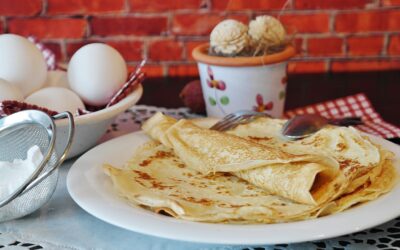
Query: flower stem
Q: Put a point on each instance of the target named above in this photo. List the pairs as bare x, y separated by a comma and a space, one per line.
218, 103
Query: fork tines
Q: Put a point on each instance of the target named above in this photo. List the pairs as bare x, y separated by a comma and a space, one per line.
234, 119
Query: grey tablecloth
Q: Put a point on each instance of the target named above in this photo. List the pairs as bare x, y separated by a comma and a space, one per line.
62, 224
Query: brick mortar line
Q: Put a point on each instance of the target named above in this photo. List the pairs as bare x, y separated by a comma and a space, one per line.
122, 38
109, 39
165, 70
367, 57
294, 60
88, 28
205, 37
193, 39
192, 11
171, 63
357, 59
3, 20
317, 58
248, 13
113, 15
305, 46
44, 8
367, 35
63, 48
120, 13
134, 38
300, 59
357, 33
207, 3
323, 35
291, 5
126, 11
345, 47
145, 48
127, 6
373, 4
332, 19
387, 7
199, 37
169, 24
309, 11
185, 52
327, 65
385, 47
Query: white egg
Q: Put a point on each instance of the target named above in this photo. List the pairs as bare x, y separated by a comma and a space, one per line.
9, 92
96, 72
57, 78
22, 63
57, 99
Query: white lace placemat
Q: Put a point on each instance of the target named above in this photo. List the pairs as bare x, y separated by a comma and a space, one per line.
61, 224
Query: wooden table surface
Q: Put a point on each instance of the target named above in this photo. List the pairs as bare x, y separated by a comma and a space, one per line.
382, 88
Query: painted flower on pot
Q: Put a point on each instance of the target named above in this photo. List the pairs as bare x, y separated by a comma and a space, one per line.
284, 80
261, 106
282, 93
212, 83
217, 85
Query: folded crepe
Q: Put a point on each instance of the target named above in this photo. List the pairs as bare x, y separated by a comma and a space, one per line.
382, 179
201, 175
157, 179
303, 178
356, 154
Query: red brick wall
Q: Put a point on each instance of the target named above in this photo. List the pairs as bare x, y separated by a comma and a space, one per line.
331, 35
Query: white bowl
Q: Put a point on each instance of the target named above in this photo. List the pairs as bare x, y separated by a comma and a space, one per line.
91, 127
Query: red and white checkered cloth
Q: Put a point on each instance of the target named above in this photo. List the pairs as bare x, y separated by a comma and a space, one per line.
355, 105
48, 55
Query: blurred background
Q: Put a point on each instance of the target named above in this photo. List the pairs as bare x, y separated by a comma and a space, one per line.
334, 37
331, 35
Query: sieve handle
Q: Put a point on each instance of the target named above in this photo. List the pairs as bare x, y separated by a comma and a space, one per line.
67, 147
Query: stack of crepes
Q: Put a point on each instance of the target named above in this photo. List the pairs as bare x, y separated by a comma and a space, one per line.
250, 174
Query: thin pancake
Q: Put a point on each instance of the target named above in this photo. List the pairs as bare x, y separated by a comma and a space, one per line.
155, 178
306, 178
159, 180
382, 183
357, 155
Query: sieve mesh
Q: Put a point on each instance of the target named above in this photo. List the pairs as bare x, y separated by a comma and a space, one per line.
18, 133
14, 144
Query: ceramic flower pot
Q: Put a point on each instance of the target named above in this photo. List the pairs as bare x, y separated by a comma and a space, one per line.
243, 83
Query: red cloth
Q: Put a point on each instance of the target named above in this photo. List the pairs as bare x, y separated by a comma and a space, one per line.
48, 55
355, 105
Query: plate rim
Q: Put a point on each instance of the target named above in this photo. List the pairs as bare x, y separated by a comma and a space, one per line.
361, 225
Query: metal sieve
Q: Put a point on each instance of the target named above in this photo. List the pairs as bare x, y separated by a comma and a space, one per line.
18, 133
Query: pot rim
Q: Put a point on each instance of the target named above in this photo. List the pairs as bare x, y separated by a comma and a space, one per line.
200, 54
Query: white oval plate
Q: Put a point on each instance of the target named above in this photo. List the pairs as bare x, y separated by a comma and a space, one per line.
92, 190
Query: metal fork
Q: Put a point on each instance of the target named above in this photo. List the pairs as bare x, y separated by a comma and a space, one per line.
234, 119
245, 116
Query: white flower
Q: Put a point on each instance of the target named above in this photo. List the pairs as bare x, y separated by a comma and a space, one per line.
267, 31
229, 37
